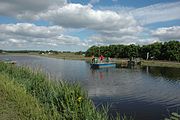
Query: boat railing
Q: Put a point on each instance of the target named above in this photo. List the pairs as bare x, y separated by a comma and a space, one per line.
106, 60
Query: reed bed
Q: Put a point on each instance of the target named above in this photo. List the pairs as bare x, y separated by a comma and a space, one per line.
17, 104
59, 100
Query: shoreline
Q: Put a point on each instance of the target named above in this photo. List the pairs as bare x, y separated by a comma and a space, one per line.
71, 56
159, 63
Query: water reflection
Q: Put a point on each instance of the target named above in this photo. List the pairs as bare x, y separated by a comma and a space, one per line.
168, 73
130, 91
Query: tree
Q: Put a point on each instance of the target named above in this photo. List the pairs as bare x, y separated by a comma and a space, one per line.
159, 51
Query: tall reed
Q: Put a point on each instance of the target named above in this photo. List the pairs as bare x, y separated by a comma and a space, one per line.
61, 100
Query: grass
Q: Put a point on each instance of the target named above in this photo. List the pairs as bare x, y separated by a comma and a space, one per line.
36, 97
69, 56
160, 63
16, 104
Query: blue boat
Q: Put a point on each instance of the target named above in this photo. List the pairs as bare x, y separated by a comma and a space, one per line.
102, 65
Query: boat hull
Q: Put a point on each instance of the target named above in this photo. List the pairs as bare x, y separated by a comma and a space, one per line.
103, 65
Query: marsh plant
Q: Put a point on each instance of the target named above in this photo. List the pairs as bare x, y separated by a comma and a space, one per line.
59, 99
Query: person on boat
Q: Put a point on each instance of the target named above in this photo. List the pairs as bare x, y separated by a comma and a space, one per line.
101, 58
93, 59
107, 59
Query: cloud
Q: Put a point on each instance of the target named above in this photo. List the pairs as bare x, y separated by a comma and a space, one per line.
103, 22
79, 16
125, 39
23, 35
167, 33
15, 7
30, 30
157, 13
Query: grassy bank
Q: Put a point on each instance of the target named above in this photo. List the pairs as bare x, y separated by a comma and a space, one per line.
72, 56
68, 56
37, 97
16, 104
160, 63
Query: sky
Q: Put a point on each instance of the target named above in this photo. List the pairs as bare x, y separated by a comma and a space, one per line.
76, 25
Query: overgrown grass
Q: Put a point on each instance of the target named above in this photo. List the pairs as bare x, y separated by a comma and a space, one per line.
16, 104
160, 63
58, 100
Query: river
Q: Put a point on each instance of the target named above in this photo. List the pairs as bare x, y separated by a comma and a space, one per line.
146, 93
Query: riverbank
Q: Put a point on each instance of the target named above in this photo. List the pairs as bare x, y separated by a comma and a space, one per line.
68, 56
158, 63
30, 95
73, 56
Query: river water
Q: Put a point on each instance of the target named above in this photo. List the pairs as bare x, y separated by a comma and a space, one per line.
147, 93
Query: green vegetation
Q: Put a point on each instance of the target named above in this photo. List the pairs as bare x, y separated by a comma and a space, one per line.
69, 56
158, 51
16, 104
36, 97
158, 63
19, 51
41, 52
173, 116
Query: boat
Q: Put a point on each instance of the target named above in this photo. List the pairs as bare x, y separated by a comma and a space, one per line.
103, 65
102, 62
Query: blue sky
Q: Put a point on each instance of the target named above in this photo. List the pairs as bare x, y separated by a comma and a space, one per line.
125, 3
75, 25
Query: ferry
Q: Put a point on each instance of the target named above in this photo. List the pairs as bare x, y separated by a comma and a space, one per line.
103, 65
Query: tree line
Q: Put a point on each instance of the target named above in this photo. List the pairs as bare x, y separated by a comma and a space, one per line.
41, 51
157, 51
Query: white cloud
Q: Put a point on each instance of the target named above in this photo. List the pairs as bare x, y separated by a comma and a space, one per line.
31, 30
125, 39
79, 16
167, 33
15, 7
157, 13
24, 35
